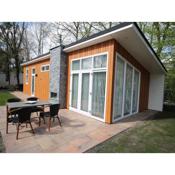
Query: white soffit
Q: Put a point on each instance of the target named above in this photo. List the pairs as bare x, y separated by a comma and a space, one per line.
36, 60
132, 41
137, 47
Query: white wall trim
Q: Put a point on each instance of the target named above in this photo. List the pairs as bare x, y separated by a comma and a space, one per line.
156, 92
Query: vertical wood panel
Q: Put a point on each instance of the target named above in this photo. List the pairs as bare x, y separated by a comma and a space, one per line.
42, 80
107, 46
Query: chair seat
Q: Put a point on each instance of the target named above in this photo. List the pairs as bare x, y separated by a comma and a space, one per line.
37, 109
13, 119
45, 114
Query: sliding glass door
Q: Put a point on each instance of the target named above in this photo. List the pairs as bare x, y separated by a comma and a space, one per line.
75, 90
126, 89
85, 92
88, 85
135, 92
98, 94
118, 90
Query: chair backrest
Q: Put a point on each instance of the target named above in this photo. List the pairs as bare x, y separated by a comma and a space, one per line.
24, 114
32, 99
11, 100
54, 109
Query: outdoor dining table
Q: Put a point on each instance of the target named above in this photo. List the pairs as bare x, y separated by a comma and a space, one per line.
15, 106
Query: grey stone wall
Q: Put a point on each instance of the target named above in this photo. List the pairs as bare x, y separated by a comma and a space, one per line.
58, 74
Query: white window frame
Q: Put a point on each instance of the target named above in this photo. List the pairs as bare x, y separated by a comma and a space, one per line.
27, 76
90, 71
123, 97
45, 67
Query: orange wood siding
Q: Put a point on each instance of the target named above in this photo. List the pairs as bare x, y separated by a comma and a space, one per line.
109, 47
42, 80
144, 85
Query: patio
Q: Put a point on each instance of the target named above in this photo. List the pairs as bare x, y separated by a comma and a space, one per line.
77, 134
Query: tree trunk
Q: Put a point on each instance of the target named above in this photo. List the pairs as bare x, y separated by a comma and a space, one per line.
8, 73
17, 70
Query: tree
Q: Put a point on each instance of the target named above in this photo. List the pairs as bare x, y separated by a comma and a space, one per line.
161, 36
41, 32
11, 34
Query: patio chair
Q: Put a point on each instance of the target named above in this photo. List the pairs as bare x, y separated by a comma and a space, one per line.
23, 116
10, 100
52, 114
36, 109
11, 114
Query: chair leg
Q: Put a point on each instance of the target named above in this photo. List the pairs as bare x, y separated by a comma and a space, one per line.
59, 120
49, 123
17, 131
7, 125
31, 127
39, 121
26, 125
44, 120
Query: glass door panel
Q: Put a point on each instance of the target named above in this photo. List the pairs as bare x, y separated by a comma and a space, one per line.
128, 90
74, 98
98, 94
135, 91
33, 82
85, 92
118, 89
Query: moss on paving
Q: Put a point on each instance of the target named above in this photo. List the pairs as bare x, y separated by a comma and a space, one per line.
156, 135
4, 96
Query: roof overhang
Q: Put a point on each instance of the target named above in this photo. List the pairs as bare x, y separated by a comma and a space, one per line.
35, 60
133, 40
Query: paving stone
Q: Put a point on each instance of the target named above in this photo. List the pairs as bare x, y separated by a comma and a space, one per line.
77, 134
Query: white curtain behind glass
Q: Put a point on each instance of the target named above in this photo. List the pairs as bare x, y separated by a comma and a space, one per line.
74, 90
118, 88
85, 92
98, 94
135, 91
128, 89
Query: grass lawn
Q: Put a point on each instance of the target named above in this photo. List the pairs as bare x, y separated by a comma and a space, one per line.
156, 135
4, 96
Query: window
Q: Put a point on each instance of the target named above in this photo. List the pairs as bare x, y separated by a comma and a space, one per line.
126, 89
88, 85
76, 65
45, 68
27, 75
86, 63
100, 61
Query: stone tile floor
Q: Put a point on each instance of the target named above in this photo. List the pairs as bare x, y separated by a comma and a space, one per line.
77, 134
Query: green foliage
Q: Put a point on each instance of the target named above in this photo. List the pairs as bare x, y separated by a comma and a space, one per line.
161, 36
